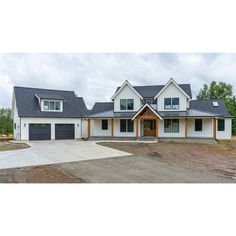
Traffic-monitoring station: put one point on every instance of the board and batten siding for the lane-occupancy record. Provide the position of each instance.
(227, 133)
(127, 93)
(16, 120)
(171, 91)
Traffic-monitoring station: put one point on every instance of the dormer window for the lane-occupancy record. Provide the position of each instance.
(171, 103)
(52, 105)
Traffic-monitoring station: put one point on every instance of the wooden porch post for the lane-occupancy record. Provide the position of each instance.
(186, 127)
(112, 127)
(214, 128)
(137, 128)
(88, 127)
(156, 127)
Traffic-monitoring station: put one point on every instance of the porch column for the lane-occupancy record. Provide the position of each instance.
(88, 127)
(214, 128)
(137, 128)
(112, 127)
(186, 127)
(156, 127)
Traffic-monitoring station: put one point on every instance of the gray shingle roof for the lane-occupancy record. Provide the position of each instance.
(49, 96)
(28, 104)
(207, 105)
(153, 90)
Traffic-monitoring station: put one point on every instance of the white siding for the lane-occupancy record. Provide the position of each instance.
(127, 93)
(117, 132)
(84, 128)
(97, 126)
(227, 134)
(26, 121)
(16, 120)
(172, 91)
(180, 134)
(207, 129)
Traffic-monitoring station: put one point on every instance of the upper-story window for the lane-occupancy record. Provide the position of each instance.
(150, 101)
(126, 104)
(171, 103)
(52, 106)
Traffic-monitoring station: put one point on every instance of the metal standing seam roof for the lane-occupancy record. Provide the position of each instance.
(28, 105)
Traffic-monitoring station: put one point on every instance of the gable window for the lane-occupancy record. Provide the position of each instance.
(126, 104)
(221, 125)
(171, 103)
(126, 126)
(51, 106)
(198, 124)
(171, 125)
(104, 124)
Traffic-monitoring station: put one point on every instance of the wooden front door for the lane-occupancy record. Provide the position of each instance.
(149, 127)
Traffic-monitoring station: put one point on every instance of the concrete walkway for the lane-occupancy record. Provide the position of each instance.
(54, 152)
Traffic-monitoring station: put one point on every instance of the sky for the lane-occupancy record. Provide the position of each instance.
(96, 76)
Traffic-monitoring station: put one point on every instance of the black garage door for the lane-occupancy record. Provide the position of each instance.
(39, 132)
(64, 131)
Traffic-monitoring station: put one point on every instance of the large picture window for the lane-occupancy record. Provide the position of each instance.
(198, 125)
(126, 104)
(171, 125)
(171, 103)
(221, 125)
(126, 126)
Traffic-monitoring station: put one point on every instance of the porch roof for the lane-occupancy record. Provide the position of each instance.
(112, 114)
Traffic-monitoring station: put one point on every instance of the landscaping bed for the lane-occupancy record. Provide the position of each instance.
(7, 146)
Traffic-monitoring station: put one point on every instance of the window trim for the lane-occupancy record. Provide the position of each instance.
(106, 128)
(50, 101)
(196, 126)
(223, 125)
(171, 126)
(171, 104)
(127, 126)
(126, 104)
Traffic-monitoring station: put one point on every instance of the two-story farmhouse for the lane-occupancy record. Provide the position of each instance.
(159, 111)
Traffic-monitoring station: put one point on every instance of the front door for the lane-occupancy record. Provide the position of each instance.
(149, 127)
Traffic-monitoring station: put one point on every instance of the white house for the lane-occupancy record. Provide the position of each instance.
(159, 111)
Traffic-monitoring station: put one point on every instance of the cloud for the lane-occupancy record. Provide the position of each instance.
(96, 76)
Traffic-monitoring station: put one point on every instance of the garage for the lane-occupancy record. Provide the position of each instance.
(39, 132)
(64, 131)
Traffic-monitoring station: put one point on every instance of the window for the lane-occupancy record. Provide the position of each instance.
(14, 125)
(149, 101)
(126, 104)
(51, 106)
(221, 125)
(104, 124)
(167, 103)
(126, 126)
(198, 124)
(171, 126)
(175, 103)
(171, 103)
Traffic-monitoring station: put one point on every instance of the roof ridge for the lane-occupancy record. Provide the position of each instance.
(155, 85)
(44, 89)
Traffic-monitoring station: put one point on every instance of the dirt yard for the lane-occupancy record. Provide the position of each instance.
(219, 159)
(40, 174)
(7, 146)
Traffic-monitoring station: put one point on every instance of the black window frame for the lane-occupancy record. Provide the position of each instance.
(177, 105)
(104, 124)
(219, 123)
(127, 104)
(165, 106)
(126, 126)
(171, 106)
(198, 125)
(170, 123)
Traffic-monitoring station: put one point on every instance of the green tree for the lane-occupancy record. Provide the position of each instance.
(5, 121)
(223, 91)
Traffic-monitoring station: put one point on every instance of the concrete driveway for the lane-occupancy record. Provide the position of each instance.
(54, 152)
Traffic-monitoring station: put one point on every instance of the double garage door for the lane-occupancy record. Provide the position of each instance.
(43, 131)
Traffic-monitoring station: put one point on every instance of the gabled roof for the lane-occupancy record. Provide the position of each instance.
(28, 105)
(167, 84)
(151, 91)
(143, 107)
(207, 105)
(123, 85)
